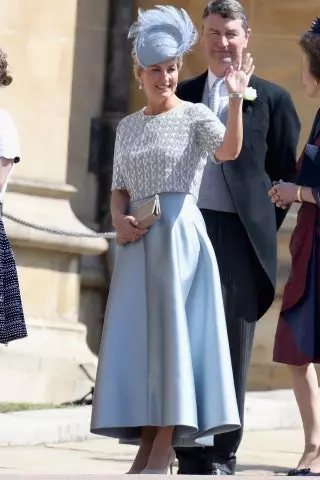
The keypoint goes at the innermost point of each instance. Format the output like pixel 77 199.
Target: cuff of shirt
pixel 214 160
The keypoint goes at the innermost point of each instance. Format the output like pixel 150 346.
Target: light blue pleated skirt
pixel 164 356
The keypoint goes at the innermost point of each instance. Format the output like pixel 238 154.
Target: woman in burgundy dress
pixel 297 342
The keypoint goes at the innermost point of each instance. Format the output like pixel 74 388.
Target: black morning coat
pixel 271 133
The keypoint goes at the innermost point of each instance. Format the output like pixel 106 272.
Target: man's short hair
pixel 227 9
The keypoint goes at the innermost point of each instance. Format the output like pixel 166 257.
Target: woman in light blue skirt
pixel 164 376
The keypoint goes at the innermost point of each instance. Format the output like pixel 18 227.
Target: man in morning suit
pixel 241 221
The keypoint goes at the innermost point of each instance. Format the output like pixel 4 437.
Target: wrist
pixel 116 218
pixel 235 101
pixel 233 95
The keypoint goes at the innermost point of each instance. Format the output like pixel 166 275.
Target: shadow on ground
pixel 277 470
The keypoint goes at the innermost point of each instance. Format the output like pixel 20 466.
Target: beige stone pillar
pixel 49 366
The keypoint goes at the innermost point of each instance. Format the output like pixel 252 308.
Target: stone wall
pixel 276 26
pixel 89 68
pixel 56 54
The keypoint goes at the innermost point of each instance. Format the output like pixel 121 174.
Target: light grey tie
pixel 214 96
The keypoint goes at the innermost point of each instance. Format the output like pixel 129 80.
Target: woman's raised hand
pixel 238 77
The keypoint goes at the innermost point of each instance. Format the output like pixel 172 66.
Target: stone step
pixel 264 411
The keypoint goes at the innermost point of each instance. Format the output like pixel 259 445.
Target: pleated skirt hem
pixel 183 436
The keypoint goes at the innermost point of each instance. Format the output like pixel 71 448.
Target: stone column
pixel 54 364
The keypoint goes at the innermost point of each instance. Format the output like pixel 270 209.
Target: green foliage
pixel 19 407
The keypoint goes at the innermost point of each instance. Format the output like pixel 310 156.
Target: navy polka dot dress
pixel 12 323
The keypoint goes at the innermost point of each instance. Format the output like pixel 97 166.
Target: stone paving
pixel 262 453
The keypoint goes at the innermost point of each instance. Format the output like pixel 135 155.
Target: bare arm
pixel 237 80
pixel 125 225
pixel 232 142
pixel 119 205
pixel 6 165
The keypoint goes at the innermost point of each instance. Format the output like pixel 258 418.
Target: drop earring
pixel 140 85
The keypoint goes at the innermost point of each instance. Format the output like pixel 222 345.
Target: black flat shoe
pixel 296 472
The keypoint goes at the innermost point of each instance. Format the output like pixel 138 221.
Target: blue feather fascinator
pixel 162 33
pixel 315 27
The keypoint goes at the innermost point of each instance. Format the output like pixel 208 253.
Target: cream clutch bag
pixel 148 212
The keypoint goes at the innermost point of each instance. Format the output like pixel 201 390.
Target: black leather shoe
pixel 224 468
pixel 203 464
pixel 192 468
pixel 195 470
pixel 220 471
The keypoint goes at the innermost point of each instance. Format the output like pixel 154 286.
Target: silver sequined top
pixel 166 152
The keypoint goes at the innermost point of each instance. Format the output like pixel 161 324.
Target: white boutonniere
pixel 250 94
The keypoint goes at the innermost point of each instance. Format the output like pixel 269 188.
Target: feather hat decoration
pixel 315 27
pixel 162 33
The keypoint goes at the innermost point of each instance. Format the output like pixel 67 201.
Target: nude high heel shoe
pixel 140 462
pixel 164 469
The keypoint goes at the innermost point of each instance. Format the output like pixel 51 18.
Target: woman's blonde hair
pixel 137 68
